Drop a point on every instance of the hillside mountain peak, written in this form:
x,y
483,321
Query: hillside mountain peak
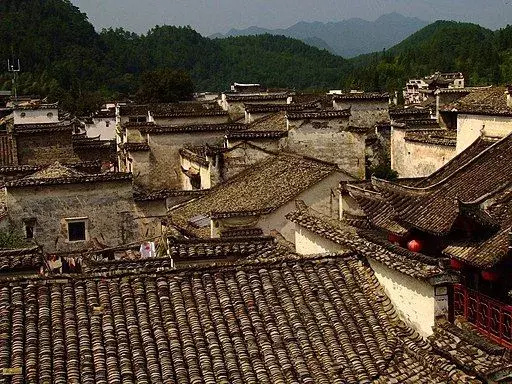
x,y
346,38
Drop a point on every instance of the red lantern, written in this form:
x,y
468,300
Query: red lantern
x,y
394,239
490,275
414,246
456,264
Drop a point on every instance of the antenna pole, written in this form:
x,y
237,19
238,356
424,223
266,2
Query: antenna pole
x,y
14,70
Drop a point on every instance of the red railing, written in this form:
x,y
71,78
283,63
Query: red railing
x,y
491,317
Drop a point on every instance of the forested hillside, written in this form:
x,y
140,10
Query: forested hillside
x,y
448,46
63,57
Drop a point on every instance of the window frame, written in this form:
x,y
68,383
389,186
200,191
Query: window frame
x,y
73,220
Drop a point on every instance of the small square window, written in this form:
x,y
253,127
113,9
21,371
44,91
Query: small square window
x,y
77,230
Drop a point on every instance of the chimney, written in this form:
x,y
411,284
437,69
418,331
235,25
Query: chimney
x,y
509,96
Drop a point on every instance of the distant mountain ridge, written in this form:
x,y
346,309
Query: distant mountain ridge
x,y
347,38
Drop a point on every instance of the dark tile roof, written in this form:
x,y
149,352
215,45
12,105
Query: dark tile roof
x,y
37,105
96,143
27,129
157,129
105,114
407,113
321,115
362,96
495,211
241,232
84,166
261,189
372,245
416,124
186,109
141,195
434,208
379,212
6,150
291,320
240,97
135,147
479,356
441,137
457,162
182,109
188,252
56,174
20,260
270,108
487,101
134,110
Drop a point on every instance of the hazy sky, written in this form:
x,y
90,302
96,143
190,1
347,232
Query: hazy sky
x,y
211,16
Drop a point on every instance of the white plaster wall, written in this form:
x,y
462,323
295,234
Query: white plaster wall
x,y
398,150
36,116
317,197
413,299
100,128
309,243
422,159
469,128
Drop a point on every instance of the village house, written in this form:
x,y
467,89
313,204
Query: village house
x,y
418,91
439,245
206,166
367,109
234,102
420,146
65,210
485,111
152,152
260,197
102,124
314,319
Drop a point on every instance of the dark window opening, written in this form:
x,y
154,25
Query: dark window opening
x,y
29,231
76,231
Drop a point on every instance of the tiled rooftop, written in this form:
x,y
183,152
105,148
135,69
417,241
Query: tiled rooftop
x,y
58,174
434,208
440,137
298,320
261,189
153,129
487,101
43,128
19,260
362,96
320,115
182,109
371,245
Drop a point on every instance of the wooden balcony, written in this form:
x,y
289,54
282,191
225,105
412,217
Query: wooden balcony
x,y
491,317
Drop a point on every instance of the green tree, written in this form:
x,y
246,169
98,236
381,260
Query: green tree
x,y
165,86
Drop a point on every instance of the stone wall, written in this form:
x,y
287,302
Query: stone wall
x,y
469,128
108,208
415,159
45,148
365,113
329,141
239,158
161,168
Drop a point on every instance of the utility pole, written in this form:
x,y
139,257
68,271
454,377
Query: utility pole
x,y
14,69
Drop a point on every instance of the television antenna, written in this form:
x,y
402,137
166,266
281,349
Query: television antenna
x,y
15,68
